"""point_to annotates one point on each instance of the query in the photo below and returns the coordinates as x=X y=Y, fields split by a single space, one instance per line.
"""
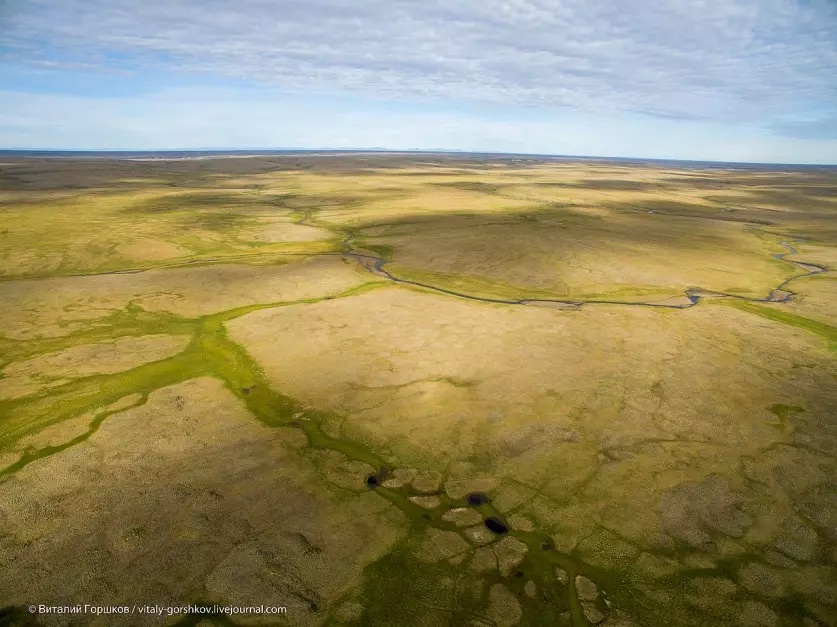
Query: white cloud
x=741 y=61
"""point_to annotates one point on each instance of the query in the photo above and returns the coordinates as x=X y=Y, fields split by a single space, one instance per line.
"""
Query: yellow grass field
x=423 y=390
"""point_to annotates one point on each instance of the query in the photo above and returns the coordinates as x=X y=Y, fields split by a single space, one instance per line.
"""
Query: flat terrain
x=419 y=390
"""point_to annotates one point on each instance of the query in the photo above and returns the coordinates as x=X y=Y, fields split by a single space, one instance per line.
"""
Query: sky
x=727 y=80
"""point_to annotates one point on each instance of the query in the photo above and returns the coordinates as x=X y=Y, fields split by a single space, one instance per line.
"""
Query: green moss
x=784 y=412
x=825 y=331
x=31 y=456
x=381 y=250
x=209 y=353
x=399 y=588
x=118 y=324
x=30 y=415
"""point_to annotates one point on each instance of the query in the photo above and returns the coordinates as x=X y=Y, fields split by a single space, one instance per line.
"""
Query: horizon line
x=379 y=150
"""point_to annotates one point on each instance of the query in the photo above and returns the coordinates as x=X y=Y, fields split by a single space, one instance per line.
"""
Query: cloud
x=821 y=128
x=739 y=61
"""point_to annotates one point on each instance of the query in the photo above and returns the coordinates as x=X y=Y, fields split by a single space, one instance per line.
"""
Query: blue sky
x=737 y=80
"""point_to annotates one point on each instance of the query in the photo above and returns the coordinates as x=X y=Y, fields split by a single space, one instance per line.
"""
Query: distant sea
x=167 y=154
x=164 y=155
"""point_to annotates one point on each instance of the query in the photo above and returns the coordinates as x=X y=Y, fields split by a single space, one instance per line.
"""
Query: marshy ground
x=419 y=390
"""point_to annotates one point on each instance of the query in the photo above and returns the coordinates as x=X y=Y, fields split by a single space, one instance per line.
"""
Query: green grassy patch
x=784 y=412
x=210 y=353
x=31 y=456
x=382 y=250
x=825 y=331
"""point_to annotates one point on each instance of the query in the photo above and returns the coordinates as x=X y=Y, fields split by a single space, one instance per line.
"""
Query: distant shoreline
x=184 y=155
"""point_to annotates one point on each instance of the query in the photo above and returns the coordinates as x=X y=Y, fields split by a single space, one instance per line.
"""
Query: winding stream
x=779 y=294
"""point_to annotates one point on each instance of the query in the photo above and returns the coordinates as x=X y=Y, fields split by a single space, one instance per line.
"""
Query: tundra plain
x=382 y=389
